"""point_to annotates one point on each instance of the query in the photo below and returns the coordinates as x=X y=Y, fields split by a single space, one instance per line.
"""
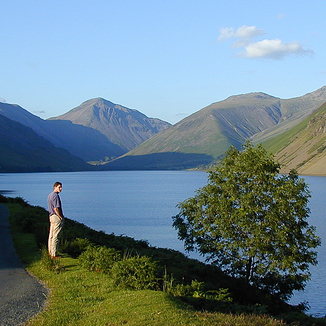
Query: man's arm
x=58 y=212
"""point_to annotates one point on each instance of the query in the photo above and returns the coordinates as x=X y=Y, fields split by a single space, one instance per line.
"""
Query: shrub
x=75 y=247
x=3 y=199
x=49 y=263
x=196 y=290
x=135 y=273
x=99 y=258
x=33 y=220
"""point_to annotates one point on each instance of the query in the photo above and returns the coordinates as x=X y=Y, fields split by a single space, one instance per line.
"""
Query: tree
x=252 y=222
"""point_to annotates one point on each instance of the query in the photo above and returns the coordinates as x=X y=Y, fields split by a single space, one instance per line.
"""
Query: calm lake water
x=140 y=204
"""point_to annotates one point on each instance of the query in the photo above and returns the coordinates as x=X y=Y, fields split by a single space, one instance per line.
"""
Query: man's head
x=57 y=187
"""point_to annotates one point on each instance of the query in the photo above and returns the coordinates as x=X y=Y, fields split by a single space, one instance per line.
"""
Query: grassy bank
x=82 y=297
x=79 y=295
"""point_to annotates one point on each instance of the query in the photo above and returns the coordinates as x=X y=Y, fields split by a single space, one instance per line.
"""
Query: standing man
x=56 y=219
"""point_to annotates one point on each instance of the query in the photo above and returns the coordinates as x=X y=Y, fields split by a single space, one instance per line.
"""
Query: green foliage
x=99 y=258
x=32 y=220
x=75 y=247
x=135 y=273
x=81 y=296
x=252 y=222
x=218 y=295
x=279 y=142
x=51 y=264
x=197 y=290
x=16 y=200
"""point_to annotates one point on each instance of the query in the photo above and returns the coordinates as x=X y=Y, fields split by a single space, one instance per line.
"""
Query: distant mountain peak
x=122 y=126
x=98 y=100
x=253 y=95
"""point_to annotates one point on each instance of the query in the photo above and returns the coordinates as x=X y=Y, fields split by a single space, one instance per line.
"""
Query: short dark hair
x=56 y=184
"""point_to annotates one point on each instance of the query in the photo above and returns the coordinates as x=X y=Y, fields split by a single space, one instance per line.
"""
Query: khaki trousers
x=56 y=225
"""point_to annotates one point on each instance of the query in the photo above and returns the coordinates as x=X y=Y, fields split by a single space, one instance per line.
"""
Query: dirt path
x=21 y=296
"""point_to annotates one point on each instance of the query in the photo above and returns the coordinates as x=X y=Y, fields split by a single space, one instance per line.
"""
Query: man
x=56 y=219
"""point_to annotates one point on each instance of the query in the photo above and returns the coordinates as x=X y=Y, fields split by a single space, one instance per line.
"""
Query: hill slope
x=22 y=150
x=203 y=137
x=293 y=111
x=123 y=127
x=83 y=142
x=303 y=147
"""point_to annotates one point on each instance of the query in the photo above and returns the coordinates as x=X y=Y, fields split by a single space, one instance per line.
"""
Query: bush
x=196 y=290
x=99 y=258
x=33 y=220
x=3 y=199
x=135 y=273
x=51 y=264
x=75 y=247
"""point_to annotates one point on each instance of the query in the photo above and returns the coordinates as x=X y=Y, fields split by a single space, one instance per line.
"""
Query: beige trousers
x=56 y=225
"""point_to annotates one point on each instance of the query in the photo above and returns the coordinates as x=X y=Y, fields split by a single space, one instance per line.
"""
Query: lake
x=140 y=204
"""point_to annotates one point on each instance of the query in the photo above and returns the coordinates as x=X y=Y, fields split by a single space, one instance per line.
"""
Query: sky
x=164 y=58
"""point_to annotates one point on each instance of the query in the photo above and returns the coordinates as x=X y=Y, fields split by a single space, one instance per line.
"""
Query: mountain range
x=203 y=137
x=87 y=143
x=115 y=137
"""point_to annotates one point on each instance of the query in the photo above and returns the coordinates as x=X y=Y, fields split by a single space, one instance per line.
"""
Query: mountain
x=101 y=130
x=203 y=137
x=96 y=130
x=83 y=142
x=22 y=150
x=126 y=128
x=304 y=146
x=293 y=111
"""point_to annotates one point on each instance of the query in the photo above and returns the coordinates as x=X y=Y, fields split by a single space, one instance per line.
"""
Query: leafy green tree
x=252 y=222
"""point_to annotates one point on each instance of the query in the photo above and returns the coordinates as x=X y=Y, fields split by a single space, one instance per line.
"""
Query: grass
x=79 y=296
x=277 y=143
x=82 y=297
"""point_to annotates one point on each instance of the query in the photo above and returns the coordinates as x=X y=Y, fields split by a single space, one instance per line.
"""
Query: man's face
x=58 y=188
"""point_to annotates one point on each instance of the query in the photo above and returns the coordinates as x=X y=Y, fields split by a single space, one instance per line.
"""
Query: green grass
x=277 y=143
x=82 y=297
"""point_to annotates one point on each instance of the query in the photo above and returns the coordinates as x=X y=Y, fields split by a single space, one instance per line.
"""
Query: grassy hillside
x=22 y=150
x=199 y=133
x=212 y=130
x=82 y=296
x=303 y=147
x=209 y=132
x=83 y=142
x=294 y=111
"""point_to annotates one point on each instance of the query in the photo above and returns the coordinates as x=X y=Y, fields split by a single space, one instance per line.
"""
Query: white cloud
x=243 y=33
x=2 y=100
x=248 y=32
x=226 y=32
x=274 y=49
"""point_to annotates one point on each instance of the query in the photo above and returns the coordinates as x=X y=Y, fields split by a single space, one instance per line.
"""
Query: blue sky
x=167 y=59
